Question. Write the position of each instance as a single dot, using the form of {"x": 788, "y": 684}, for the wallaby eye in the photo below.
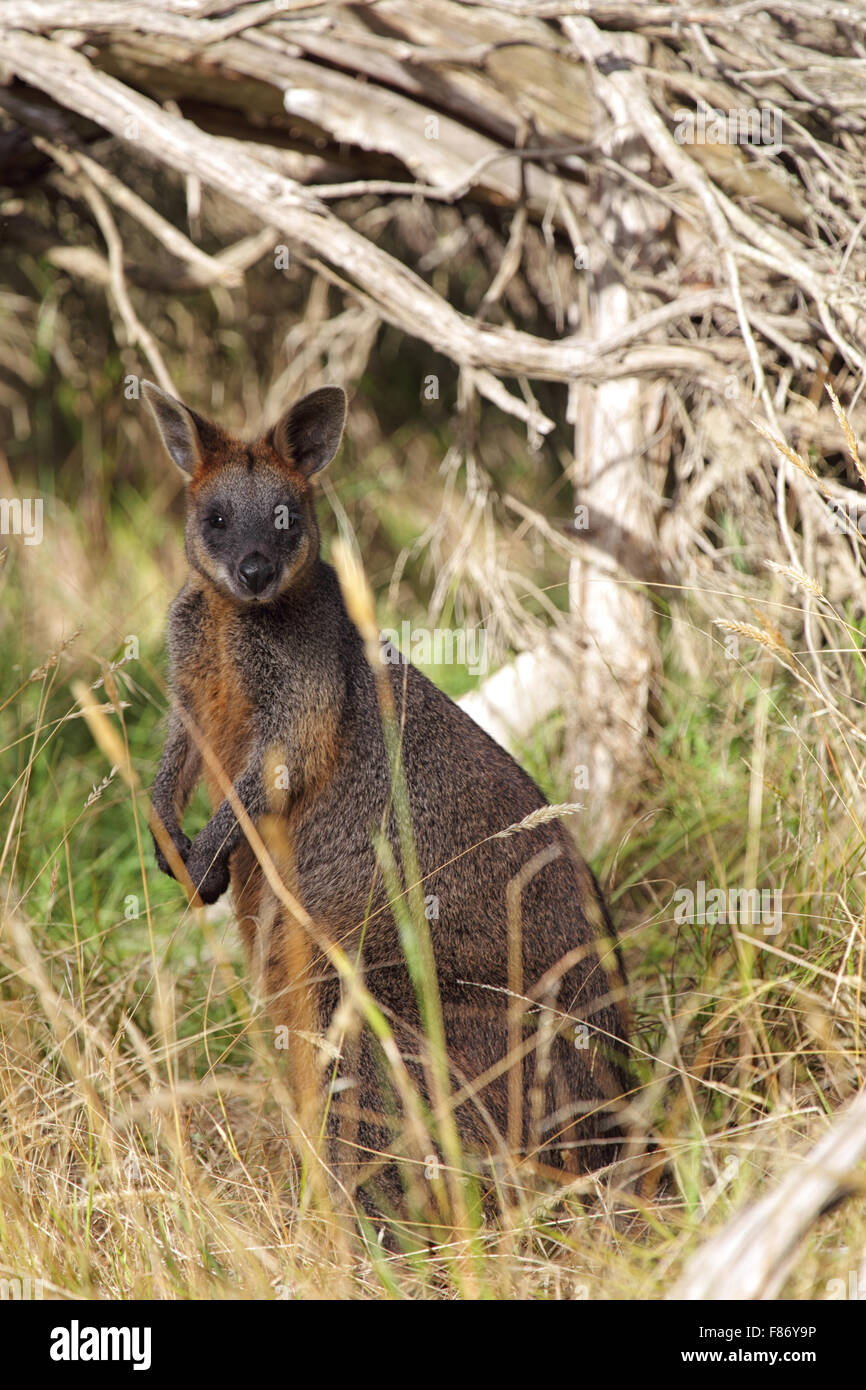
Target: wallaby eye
{"x": 217, "y": 521}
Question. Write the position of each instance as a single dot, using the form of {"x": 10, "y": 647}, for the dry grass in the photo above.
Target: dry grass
{"x": 148, "y": 1131}
{"x": 148, "y": 1134}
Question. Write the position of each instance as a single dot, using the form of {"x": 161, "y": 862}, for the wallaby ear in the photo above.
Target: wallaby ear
{"x": 181, "y": 429}
{"x": 308, "y": 435}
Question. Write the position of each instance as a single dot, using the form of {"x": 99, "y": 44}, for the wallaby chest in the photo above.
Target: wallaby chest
{"x": 210, "y": 684}
{"x": 256, "y": 681}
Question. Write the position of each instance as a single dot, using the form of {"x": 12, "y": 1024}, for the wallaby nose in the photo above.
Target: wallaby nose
{"x": 256, "y": 572}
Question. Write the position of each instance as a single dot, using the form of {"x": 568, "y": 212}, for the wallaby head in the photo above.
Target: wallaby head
{"x": 251, "y": 525}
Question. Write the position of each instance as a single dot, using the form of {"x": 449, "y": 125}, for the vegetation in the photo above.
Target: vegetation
{"x": 149, "y": 1144}
{"x": 145, "y": 1130}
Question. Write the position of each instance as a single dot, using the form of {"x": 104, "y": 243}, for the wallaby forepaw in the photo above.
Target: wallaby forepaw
{"x": 211, "y": 879}
{"x": 183, "y": 845}
{"x": 214, "y": 884}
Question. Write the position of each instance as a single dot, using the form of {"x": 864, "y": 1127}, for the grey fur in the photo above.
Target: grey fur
{"x": 291, "y": 669}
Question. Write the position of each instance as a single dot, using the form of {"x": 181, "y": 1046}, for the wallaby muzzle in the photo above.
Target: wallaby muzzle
{"x": 256, "y": 572}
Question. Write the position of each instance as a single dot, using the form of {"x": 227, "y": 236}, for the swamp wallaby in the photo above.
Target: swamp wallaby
{"x": 264, "y": 656}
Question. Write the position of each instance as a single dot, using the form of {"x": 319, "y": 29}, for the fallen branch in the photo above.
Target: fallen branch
{"x": 752, "y": 1257}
